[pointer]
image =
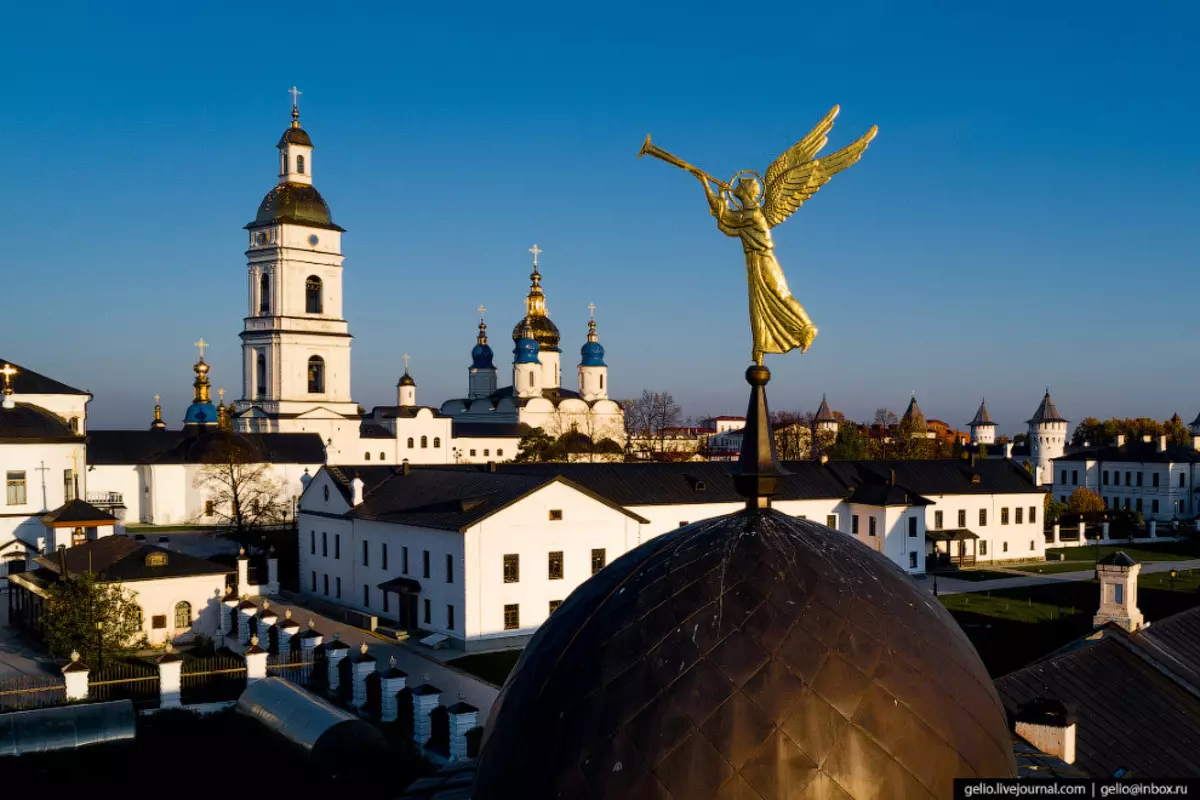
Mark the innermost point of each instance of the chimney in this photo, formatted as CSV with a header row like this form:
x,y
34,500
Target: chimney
x,y
1008,446
1120,440
1195,442
356,490
1162,443
1118,575
1049,726
491,466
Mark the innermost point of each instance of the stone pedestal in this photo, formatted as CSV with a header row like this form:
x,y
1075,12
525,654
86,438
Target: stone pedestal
x,y
228,616
463,717
1057,534
243,573
272,575
1153,529
362,668
1104,531
310,640
266,621
256,663
391,683
170,680
75,676
425,699
334,653
1082,533
246,612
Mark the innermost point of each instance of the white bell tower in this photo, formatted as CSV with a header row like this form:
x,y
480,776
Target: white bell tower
x,y
295,343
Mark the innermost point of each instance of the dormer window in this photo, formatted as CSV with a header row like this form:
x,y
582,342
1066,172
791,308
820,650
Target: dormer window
x,y
300,164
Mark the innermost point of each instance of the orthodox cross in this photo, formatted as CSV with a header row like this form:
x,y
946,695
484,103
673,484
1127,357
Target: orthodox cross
x,y
44,469
406,363
536,252
591,311
295,93
75,468
221,395
201,344
157,398
481,309
8,371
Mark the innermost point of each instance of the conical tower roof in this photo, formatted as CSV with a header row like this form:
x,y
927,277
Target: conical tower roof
x,y
823,413
913,415
1047,412
982,417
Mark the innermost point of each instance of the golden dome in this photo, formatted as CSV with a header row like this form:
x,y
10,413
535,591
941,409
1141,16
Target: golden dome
x,y
544,331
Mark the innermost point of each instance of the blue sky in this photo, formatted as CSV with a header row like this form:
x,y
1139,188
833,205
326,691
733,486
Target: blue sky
x,y
1026,217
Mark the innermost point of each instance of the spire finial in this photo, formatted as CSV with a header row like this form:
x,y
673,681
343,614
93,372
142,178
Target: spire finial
x,y
295,93
157,398
406,363
592,337
758,469
591,311
221,396
481,310
200,343
536,252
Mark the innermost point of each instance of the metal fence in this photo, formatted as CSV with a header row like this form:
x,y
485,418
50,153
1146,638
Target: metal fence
x,y
31,691
125,680
212,680
292,666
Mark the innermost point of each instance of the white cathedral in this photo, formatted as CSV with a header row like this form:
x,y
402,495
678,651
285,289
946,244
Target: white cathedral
x,y
296,353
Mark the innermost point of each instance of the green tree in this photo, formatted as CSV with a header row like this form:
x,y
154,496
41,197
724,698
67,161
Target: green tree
x,y
1177,432
1084,501
535,446
1055,511
97,620
850,444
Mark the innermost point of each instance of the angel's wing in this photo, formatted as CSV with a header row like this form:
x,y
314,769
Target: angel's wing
x,y
804,150
791,187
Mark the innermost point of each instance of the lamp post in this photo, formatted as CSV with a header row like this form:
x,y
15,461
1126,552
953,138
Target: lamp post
x,y
99,645
1173,576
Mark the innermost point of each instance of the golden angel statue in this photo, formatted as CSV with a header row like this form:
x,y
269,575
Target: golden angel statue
x,y
750,205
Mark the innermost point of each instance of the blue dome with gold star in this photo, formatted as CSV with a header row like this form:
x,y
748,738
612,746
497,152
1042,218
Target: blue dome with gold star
x,y
526,350
200,414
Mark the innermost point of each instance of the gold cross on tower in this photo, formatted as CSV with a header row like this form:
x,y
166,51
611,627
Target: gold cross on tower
x,y
157,398
536,252
295,93
201,344
591,310
481,309
8,370
221,394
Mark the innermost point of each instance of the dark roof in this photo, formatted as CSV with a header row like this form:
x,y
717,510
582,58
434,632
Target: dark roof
x,y
295,135
297,203
982,417
914,416
26,381
1033,763
823,412
406,380
1174,643
403,412
876,494
199,447
77,511
368,431
120,558
371,474
750,655
1130,714
950,535
1135,452
941,476
401,584
454,499
1046,411
484,430
27,421
1118,559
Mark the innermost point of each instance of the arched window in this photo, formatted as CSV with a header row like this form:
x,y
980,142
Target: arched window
x,y
316,375
381,456
261,384
282,163
312,295
300,164
366,456
601,380
437,441
410,444
264,294
183,615
424,441
531,379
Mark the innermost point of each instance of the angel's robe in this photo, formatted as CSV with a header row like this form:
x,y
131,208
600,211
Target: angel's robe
x,y
777,320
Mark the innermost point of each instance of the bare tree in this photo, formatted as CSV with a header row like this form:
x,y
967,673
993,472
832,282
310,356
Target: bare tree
x,y
793,434
886,418
240,493
648,419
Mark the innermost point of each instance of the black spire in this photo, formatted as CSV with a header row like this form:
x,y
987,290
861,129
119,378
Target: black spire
x,y
758,469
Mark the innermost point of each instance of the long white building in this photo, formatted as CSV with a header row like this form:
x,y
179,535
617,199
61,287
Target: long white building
x,y
483,554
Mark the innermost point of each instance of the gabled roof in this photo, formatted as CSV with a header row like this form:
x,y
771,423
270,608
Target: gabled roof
x,y
1047,412
1117,558
77,512
120,558
941,476
26,381
823,412
982,417
192,447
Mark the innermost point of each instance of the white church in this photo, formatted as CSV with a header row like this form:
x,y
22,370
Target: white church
x,y
296,352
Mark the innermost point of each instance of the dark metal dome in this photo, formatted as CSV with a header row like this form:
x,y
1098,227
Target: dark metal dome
x,y
298,203
27,421
544,331
295,135
754,655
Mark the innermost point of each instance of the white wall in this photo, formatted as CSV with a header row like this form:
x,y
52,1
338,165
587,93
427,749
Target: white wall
x,y
23,520
995,534
1173,500
160,596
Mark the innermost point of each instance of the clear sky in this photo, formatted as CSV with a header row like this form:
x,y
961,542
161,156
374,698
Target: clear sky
x,y
1027,216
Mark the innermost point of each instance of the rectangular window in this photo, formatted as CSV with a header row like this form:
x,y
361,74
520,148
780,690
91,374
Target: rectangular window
x,y
1004,516
1020,512
682,522
912,560
339,587
383,555
599,560
556,565
499,452
831,521
1154,479
314,580
1118,593
962,518
1139,504
938,519
912,527
425,563
325,545
1139,478
69,484
337,545
366,554
556,515
404,560
486,452
209,508
554,604
1004,547
512,617
1064,477
326,577
312,543
1154,506
449,568
512,568
983,517
158,621
428,612
1128,478
1074,477
1032,515
1181,480
449,618
367,595
871,529
1104,477
982,548
854,524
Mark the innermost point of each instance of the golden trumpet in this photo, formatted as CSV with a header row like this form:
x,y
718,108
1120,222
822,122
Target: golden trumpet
x,y
649,149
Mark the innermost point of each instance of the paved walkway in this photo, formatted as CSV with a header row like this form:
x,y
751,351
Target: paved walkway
x,y
421,667
954,586
18,655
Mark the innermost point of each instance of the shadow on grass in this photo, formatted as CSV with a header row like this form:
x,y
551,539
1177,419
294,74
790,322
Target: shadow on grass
x,y
492,667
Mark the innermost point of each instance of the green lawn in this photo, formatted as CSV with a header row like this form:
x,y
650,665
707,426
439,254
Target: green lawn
x,y
492,667
1055,567
1013,627
975,575
1167,551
